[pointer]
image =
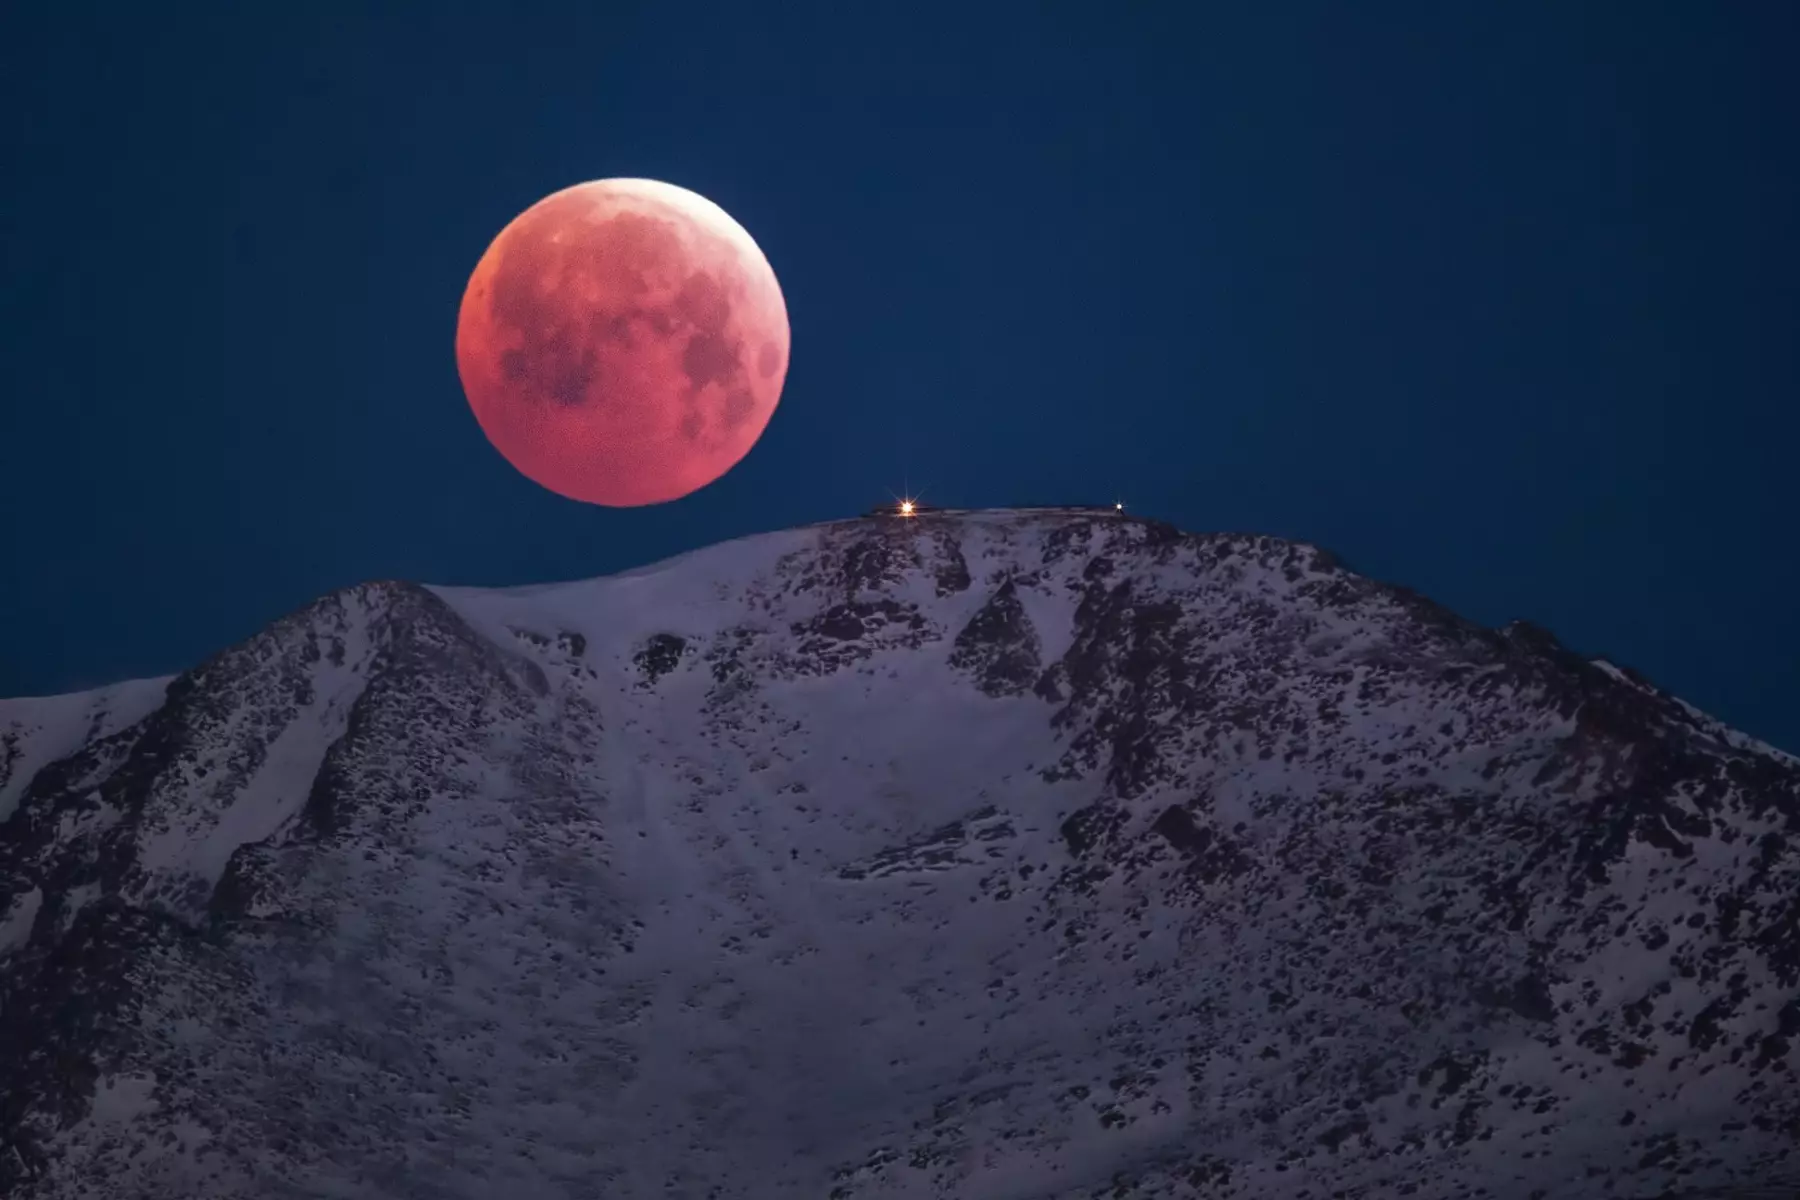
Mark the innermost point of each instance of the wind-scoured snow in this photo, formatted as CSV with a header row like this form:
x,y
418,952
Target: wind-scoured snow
x,y
1029,854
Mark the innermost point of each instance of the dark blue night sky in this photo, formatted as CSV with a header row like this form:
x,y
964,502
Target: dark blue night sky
x,y
1500,301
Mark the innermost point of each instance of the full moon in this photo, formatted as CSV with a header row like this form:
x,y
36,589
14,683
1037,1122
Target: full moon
x,y
623,342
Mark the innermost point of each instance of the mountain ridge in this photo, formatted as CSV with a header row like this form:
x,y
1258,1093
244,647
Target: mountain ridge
x,y
1111,807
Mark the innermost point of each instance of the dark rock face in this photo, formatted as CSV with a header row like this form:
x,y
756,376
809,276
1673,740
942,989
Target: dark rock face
x,y
660,654
1051,855
998,646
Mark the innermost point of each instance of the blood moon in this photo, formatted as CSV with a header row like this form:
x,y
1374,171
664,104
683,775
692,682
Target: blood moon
x,y
623,342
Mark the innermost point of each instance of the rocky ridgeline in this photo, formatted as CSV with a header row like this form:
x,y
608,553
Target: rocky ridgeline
x,y
1038,854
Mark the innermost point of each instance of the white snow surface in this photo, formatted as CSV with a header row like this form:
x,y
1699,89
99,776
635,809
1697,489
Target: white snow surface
x,y
36,731
1014,855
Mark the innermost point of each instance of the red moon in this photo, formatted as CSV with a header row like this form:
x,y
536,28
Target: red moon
x,y
623,342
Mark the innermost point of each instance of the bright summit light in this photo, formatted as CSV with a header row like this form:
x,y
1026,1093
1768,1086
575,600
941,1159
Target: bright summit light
x,y
906,508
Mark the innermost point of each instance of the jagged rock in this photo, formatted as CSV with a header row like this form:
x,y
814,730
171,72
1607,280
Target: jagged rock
x,y
999,646
660,654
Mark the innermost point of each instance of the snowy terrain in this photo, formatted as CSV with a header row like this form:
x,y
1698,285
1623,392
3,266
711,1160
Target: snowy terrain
x,y
1013,855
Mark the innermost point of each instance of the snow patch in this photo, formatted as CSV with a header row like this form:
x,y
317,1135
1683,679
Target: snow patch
x,y
21,915
119,1099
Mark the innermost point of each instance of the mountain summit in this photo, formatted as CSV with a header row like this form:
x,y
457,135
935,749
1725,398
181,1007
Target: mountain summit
x,y
1006,855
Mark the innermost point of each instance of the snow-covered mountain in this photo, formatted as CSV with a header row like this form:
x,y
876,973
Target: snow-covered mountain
x,y
1019,855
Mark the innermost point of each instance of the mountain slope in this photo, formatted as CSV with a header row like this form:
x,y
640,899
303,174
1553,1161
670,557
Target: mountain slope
x,y
1030,854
